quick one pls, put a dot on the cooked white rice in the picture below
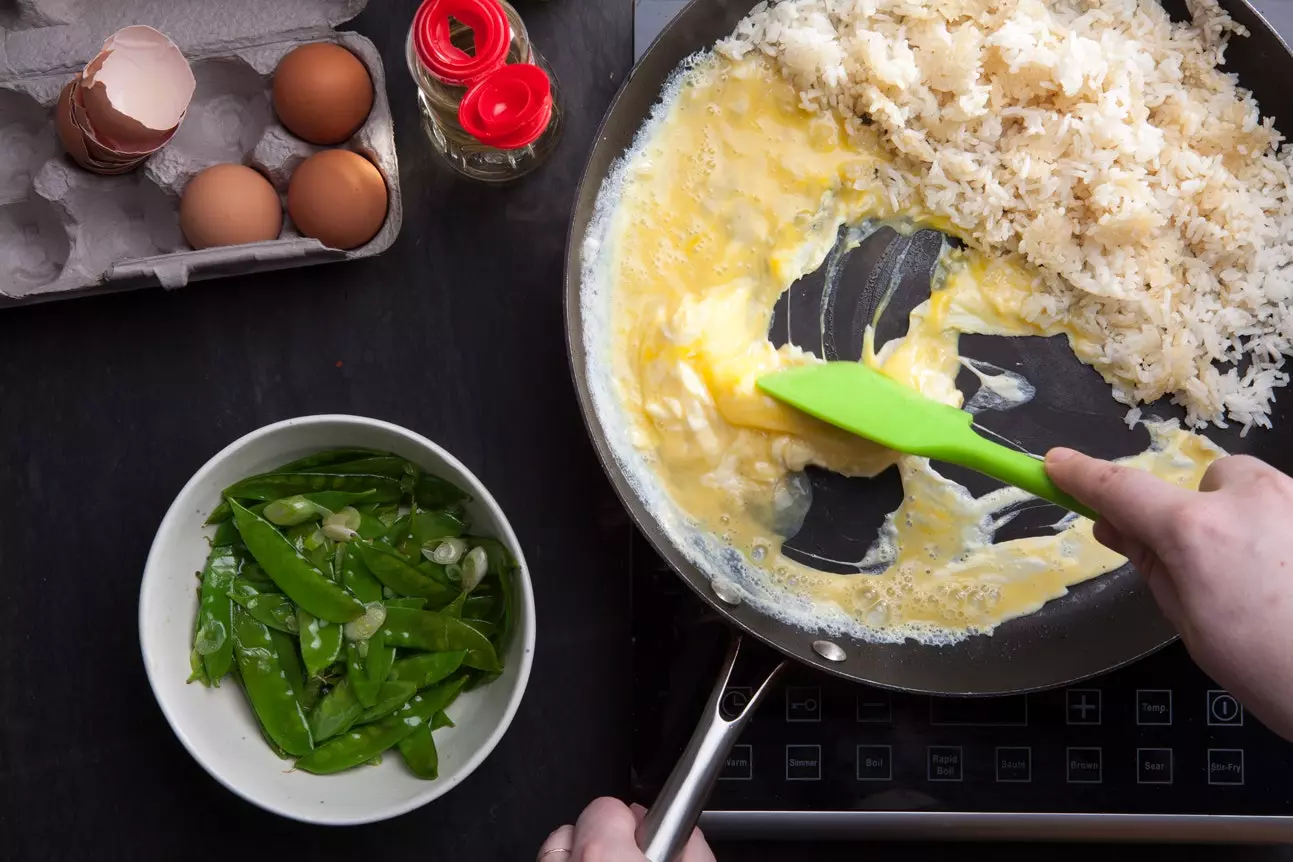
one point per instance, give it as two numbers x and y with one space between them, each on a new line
1099 140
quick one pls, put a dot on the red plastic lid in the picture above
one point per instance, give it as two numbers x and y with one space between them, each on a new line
490 32
510 108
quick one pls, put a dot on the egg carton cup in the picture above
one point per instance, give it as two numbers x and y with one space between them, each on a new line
66 232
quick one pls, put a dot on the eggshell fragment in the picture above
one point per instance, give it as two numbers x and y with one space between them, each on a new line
136 90
69 133
338 198
80 145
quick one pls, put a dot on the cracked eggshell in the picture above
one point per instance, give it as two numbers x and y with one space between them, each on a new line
80 145
135 91
68 132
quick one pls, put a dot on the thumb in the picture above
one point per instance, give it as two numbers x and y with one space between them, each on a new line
606 824
1138 504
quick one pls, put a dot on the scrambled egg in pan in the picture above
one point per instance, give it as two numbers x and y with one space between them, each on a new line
738 194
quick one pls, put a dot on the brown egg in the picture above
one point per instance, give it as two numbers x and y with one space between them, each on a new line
322 93
338 198
229 205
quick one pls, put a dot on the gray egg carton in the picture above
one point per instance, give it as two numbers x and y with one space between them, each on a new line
66 232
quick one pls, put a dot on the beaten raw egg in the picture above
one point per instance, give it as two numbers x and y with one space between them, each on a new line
338 198
322 93
230 205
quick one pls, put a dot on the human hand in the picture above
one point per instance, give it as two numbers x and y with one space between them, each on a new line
605 833
1218 560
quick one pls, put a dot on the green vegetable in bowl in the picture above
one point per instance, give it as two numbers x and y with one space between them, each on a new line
346 596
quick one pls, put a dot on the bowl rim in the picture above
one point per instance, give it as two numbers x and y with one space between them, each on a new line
527 631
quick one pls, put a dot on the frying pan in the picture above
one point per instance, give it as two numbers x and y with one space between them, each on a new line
1098 626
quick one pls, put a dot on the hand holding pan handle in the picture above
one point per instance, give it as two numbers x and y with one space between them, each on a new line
667 826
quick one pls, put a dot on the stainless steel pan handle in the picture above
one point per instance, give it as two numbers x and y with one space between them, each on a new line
667 826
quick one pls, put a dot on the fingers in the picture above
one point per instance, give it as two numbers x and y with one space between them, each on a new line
1138 504
697 849
558 846
1234 470
1112 538
604 833
1150 567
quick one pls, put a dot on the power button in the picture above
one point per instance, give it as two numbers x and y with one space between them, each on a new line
1224 710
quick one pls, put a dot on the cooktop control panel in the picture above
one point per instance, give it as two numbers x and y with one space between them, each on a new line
1157 737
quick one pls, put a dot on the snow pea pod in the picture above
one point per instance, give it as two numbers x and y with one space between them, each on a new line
455 607
329 456
391 466
321 553
385 513
397 534
427 669
371 526
226 533
356 577
335 713
273 609
197 668
432 492
380 658
448 576
290 659
302 582
394 571
413 602
222 514
361 682
264 734
431 527
302 508
420 754
275 486
433 632
252 574
502 565
320 642
244 587
480 607
485 627
214 637
362 744
390 697
435 525
272 694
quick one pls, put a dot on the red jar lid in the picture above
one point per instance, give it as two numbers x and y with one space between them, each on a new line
490 32
510 108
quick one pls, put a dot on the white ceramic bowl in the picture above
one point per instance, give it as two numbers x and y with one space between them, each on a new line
217 726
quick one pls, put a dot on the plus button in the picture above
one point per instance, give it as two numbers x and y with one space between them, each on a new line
1083 706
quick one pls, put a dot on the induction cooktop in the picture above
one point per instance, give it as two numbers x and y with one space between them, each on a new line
1154 751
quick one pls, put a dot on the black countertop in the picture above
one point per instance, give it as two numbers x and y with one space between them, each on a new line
110 404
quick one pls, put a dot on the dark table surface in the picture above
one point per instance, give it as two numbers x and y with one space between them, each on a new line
110 404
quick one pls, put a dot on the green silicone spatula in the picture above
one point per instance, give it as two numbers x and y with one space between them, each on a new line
867 403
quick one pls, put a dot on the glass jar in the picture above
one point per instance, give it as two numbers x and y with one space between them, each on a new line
490 104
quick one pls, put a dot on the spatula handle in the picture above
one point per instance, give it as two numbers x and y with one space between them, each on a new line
1015 468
